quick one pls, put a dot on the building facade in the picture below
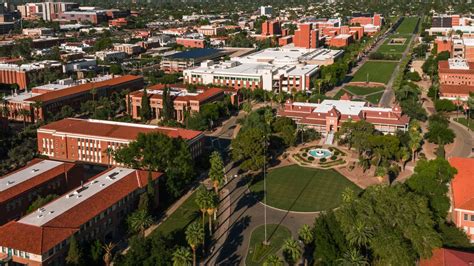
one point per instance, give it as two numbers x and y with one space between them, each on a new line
23 74
183 100
38 178
92 211
54 99
328 116
90 140
191 42
456 71
462 195
306 36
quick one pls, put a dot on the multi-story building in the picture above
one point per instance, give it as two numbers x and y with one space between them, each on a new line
35 32
93 16
327 116
48 10
306 36
183 100
271 28
180 61
22 74
210 30
286 69
191 42
366 19
456 71
89 140
444 21
266 11
38 178
110 55
341 40
130 49
58 96
92 211
462 195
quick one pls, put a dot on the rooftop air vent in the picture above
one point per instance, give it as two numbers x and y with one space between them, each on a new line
10 182
34 170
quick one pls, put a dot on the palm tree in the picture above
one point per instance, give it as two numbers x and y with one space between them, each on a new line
352 258
108 248
213 203
405 155
182 257
194 237
359 235
202 201
273 260
93 91
139 221
216 172
24 113
305 234
109 152
291 251
415 138
37 105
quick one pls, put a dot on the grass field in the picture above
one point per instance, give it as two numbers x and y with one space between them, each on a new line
378 72
387 48
463 121
257 252
407 26
339 94
177 222
374 98
303 189
356 90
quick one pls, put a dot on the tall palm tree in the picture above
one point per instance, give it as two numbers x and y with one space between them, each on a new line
213 203
194 237
216 172
108 248
305 234
37 105
352 257
415 138
109 152
202 201
273 260
291 251
182 257
139 221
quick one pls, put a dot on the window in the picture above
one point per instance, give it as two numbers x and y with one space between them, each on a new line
472 218
466 217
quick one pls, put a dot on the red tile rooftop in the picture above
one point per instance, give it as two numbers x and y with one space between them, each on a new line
448 257
463 182
201 97
115 130
83 88
458 89
38 239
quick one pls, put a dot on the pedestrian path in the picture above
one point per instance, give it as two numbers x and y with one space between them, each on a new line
329 138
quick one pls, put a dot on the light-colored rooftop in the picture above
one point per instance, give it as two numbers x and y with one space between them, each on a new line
73 198
468 41
27 173
458 63
29 67
21 97
346 107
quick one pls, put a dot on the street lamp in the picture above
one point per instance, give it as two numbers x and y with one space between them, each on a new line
265 241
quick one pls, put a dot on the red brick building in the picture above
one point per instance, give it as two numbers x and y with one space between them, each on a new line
341 40
271 28
38 178
444 44
93 211
53 100
191 43
306 36
456 71
119 22
22 75
456 93
375 20
183 101
89 140
462 200
328 116
285 40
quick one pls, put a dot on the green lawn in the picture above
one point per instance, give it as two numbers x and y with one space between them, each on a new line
463 120
177 222
339 94
377 71
388 48
356 90
303 189
374 98
257 252
408 25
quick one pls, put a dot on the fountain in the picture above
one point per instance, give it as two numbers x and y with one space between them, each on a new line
320 153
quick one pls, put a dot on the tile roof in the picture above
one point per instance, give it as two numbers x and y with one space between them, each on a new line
463 182
33 182
448 257
443 67
40 239
458 89
50 96
203 96
115 130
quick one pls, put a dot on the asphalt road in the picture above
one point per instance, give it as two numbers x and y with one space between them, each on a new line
463 142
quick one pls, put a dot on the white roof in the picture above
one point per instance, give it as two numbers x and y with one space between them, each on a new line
468 41
75 197
345 107
27 173
21 97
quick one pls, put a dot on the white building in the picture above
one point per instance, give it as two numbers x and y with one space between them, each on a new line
266 11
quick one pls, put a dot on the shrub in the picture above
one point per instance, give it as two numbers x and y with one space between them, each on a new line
310 158
304 154
334 157
323 160
337 153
